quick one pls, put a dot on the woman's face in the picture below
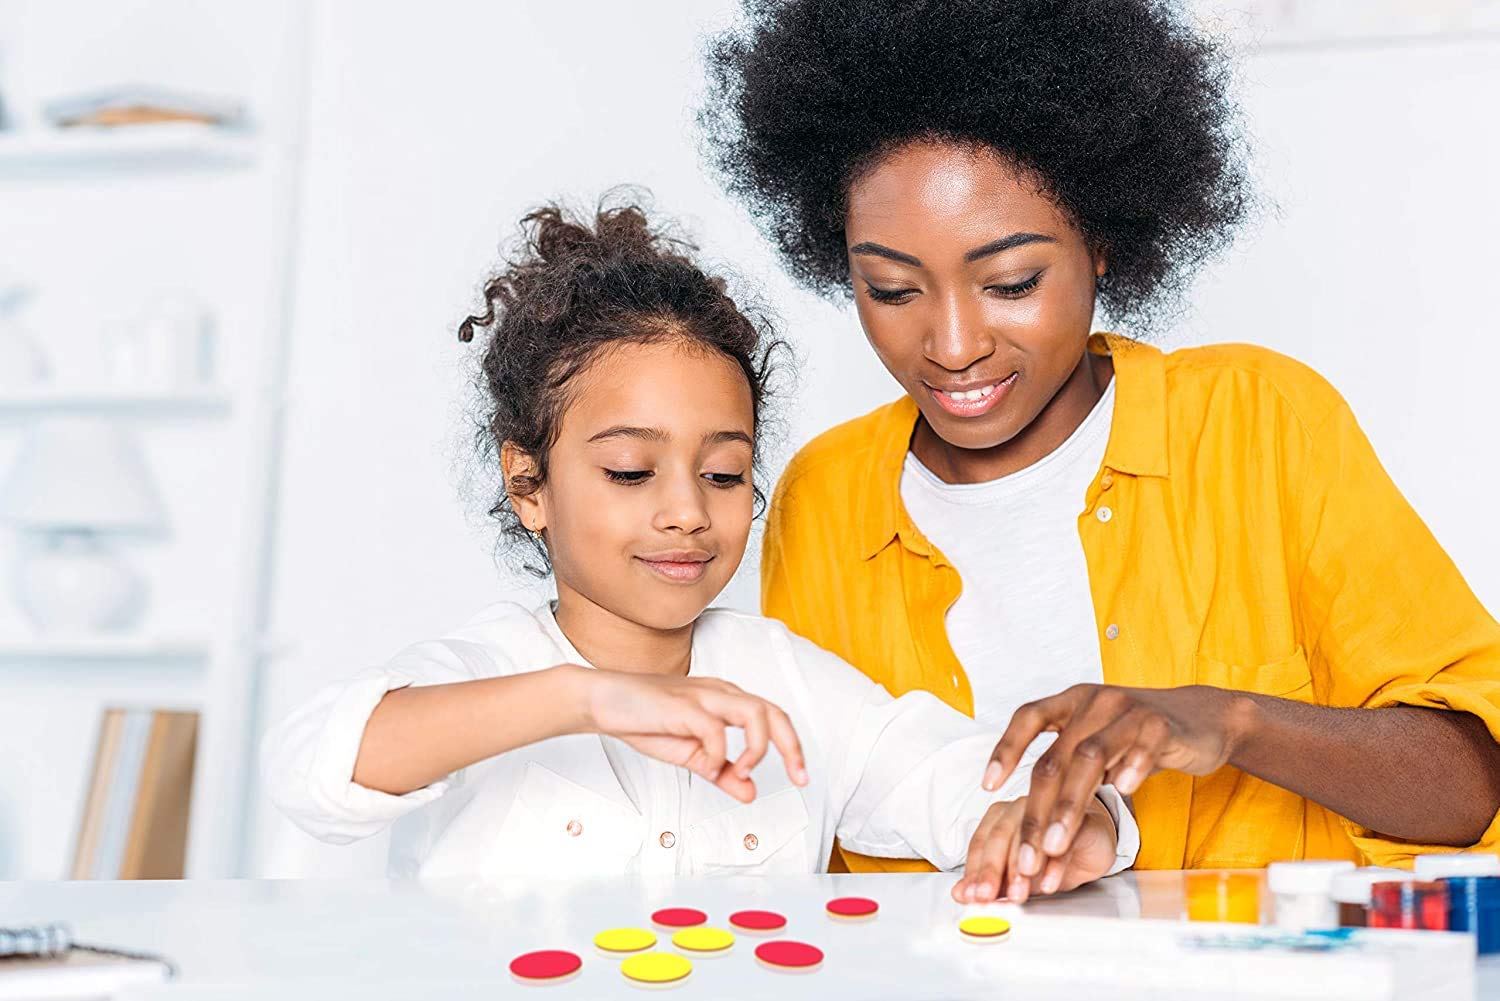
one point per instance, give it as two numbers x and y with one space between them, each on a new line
975 290
648 499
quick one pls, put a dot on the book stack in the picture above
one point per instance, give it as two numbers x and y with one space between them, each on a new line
135 814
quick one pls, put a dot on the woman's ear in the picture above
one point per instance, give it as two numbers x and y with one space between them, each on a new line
1101 262
519 470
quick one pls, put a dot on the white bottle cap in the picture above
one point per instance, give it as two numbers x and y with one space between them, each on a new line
1458 864
1352 886
1304 877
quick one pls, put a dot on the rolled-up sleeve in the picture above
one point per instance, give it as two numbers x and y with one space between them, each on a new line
908 780
1389 617
307 760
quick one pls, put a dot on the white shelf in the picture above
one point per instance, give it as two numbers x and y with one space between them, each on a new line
57 152
122 402
127 647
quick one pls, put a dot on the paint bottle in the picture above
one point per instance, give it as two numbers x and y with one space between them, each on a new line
1474 906
1457 864
1350 891
1409 904
1223 895
1301 889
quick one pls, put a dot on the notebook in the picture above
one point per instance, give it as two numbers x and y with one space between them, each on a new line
42 963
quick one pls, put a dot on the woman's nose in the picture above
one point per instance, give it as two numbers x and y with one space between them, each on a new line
957 336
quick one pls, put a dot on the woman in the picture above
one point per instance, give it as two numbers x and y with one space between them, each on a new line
1190 566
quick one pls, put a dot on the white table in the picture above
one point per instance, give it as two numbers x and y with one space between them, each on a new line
378 939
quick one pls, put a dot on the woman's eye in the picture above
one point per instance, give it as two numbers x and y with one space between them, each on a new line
628 475
725 479
1018 289
893 295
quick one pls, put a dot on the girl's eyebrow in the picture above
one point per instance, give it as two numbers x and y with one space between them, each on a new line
658 435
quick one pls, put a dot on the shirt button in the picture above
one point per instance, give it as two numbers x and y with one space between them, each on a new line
574 828
955 681
751 842
1107 480
1104 514
667 839
1112 632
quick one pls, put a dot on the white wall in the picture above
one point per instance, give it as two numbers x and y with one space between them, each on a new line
99 246
428 136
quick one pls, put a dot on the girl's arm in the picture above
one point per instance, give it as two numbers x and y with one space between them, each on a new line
417 735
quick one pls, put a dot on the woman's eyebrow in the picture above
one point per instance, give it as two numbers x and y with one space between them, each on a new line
880 250
872 249
1006 243
719 437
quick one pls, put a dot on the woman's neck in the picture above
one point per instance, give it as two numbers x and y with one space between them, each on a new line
1068 408
611 642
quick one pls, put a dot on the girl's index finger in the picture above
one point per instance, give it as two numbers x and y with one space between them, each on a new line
1027 724
784 736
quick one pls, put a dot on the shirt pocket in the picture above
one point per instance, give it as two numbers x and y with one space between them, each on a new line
1287 678
763 837
556 827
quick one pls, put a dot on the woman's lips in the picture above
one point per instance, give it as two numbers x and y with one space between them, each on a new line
976 401
676 569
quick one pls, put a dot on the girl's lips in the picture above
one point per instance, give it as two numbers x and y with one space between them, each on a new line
971 405
678 571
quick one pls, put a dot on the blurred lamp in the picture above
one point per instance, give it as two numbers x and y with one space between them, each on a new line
75 481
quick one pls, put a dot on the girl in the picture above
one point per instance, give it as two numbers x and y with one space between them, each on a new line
588 736
1191 566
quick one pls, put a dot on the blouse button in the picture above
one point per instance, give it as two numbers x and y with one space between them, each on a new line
1104 514
574 828
1107 480
751 842
1112 632
667 839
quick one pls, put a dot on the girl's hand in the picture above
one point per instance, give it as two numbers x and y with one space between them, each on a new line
991 870
681 721
1108 734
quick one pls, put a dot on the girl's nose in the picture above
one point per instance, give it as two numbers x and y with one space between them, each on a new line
682 507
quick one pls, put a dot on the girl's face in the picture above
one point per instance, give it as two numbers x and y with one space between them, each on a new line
648 500
975 290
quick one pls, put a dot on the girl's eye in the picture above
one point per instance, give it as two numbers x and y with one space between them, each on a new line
895 295
628 476
1019 289
725 479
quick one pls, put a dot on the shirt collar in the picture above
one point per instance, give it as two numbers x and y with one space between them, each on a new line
1137 442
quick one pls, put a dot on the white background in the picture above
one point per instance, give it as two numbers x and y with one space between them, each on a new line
427 135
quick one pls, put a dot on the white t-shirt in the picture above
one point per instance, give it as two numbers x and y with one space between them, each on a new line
1023 626
889 777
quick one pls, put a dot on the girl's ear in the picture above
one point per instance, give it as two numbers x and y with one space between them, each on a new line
519 469
1101 262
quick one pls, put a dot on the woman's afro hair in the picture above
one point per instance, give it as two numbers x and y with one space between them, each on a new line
1118 107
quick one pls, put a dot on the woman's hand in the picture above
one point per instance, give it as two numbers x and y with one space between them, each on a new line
991 870
1109 734
681 721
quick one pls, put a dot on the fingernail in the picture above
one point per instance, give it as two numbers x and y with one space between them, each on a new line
1026 860
802 776
1050 883
1017 890
1056 840
992 774
1129 779
982 891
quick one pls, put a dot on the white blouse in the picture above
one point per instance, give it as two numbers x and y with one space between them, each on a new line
898 778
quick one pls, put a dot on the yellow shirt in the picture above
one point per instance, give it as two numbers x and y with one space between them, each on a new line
1240 533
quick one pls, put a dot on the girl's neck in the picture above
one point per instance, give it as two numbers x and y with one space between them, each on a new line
612 642
1062 415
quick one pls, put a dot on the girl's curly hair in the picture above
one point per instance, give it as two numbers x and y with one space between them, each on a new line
574 288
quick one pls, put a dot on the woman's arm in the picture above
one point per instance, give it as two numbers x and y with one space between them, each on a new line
1415 774
417 735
